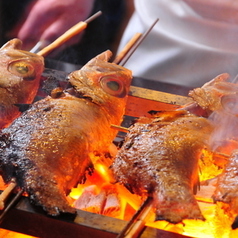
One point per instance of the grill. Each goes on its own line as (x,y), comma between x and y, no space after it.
(28,219)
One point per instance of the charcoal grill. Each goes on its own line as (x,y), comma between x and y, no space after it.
(28,219)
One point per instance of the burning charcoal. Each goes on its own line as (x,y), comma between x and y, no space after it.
(91,201)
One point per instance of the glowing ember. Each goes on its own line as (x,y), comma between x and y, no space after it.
(99,191)
(208,166)
(114,200)
(217,223)
(10,234)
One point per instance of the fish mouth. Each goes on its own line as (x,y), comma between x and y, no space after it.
(79,94)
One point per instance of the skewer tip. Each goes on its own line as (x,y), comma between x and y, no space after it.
(94,16)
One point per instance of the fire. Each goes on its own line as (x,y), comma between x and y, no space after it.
(11,234)
(104,196)
(101,182)
(123,204)
(218,220)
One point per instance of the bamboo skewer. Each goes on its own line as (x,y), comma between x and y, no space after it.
(137,43)
(68,34)
(6,192)
(9,206)
(131,46)
(137,222)
(127,48)
(120,128)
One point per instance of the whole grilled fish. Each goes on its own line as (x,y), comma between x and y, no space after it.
(160,159)
(20,73)
(47,149)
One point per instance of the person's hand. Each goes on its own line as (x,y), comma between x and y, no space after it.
(47,20)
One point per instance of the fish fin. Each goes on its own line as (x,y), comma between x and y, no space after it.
(104,56)
(22,106)
(14,44)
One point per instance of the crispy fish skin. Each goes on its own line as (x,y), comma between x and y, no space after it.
(47,149)
(227,183)
(20,73)
(161,159)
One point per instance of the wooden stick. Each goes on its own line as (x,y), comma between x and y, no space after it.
(11,204)
(120,128)
(204,200)
(223,155)
(138,42)
(137,222)
(68,34)
(126,49)
(139,225)
(5,194)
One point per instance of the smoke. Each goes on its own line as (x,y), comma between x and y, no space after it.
(225,122)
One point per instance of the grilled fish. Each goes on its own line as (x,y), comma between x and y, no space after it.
(19,79)
(48,148)
(227,183)
(160,159)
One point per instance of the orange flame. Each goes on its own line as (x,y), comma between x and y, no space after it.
(217,223)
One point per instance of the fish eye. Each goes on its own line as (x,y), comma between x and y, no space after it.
(22,69)
(113,86)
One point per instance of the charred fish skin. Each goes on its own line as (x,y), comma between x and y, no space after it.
(161,160)
(20,73)
(48,148)
(227,183)
(43,156)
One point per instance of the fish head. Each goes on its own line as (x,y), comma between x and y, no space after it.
(210,94)
(17,66)
(20,73)
(102,82)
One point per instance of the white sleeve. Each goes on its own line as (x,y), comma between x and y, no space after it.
(188,46)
